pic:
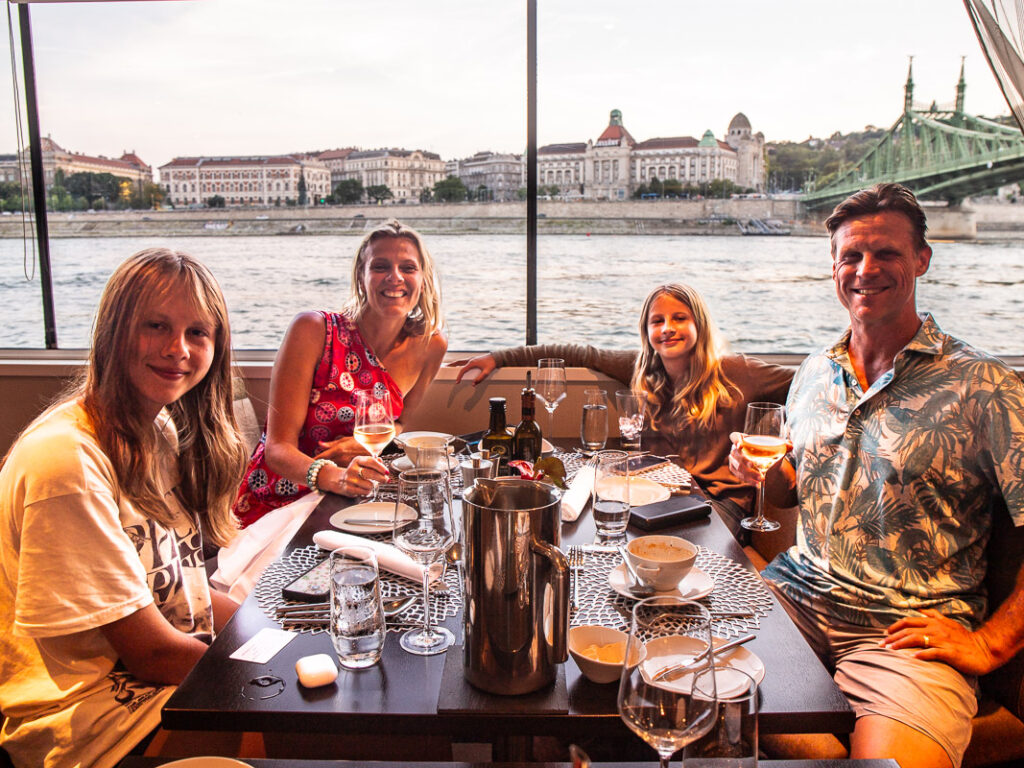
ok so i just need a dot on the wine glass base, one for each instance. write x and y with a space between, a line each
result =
419 642
763 524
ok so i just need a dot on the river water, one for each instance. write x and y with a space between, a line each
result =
768 294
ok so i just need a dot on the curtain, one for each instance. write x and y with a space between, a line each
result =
999 25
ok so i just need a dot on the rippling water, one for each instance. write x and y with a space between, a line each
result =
767 294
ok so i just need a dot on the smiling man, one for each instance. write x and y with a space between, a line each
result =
904 440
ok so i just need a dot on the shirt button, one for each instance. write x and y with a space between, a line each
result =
856 412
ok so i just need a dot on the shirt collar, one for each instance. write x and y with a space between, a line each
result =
927 340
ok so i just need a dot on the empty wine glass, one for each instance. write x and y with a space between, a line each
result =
669 698
632 410
551 386
374 424
425 539
763 444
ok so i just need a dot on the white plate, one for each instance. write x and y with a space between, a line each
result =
679 649
400 439
404 464
641 490
695 585
371 510
206 762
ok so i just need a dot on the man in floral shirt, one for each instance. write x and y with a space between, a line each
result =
903 440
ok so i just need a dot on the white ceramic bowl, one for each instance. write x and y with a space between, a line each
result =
662 561
597 671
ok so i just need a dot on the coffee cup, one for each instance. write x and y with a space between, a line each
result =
661 561
427 451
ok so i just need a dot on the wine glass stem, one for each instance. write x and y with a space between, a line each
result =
427 626
663 761
760 500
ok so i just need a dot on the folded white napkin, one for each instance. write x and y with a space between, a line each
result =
389 558
242 562
574 500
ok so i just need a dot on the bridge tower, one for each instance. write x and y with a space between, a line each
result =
908 90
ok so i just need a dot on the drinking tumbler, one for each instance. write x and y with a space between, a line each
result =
357 614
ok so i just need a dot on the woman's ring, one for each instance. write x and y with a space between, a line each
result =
926 641
359 471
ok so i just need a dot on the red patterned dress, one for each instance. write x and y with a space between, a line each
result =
346 365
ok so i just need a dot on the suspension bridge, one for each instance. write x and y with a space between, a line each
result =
941 154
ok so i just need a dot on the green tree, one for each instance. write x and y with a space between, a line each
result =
426 195
215 201
656 187
450 190
673 188
379 192
348 191
95 187
303 197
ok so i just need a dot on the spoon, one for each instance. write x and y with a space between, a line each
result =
638 588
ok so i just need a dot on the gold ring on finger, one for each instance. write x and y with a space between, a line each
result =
359 471
926 641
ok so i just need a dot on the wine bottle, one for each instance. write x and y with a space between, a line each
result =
527 439
497 439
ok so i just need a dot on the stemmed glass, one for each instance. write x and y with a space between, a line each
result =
632 410
669 698
425 540
375 424
551 386
763 444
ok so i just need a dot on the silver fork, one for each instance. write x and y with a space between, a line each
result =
576 556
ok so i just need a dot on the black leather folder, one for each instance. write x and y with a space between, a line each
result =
675 510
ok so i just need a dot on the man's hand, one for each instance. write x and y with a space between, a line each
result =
484 364
942 639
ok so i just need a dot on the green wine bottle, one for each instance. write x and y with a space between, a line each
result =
527 439
496 439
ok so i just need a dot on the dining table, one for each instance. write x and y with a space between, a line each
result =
410 694
156 762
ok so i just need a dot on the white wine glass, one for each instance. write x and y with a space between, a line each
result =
374 424
632 410
668 699
551 386
763 444
425 540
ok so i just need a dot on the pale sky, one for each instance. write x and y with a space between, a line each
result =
233 77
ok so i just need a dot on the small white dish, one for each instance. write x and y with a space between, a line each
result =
695 585
592 669
641 490
400 439
206 762
383 511
404 464
679 649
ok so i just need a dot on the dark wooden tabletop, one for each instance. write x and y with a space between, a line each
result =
400 694
154 762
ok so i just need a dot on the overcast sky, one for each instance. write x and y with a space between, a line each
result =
220 77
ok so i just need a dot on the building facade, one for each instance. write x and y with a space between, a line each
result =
615 165
258 180
55 158
334 159
490 175
405 172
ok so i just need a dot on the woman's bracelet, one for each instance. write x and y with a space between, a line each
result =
313 473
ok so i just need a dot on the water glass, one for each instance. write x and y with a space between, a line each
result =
631 418
611 495
357 614
732 741
594 425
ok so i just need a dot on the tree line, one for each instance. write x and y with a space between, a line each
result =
84 191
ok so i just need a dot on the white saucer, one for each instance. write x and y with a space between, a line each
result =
371 510
206 762
641 490
695 585
404 464
679 649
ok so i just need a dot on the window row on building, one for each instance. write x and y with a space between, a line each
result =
255 180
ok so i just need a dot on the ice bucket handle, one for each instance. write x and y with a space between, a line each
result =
558 639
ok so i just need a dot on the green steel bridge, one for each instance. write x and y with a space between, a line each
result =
941 154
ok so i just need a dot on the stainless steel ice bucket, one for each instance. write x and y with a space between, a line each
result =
516 586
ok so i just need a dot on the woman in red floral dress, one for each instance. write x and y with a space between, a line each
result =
388 337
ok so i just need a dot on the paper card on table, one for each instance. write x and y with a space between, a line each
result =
264 645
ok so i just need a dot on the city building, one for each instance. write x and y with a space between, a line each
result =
406 172
257 180
490 175
334 159
615 165
56 158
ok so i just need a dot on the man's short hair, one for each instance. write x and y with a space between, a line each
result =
879 199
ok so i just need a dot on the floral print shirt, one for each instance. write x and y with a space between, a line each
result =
896 484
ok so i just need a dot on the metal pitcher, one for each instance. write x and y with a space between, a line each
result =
516 585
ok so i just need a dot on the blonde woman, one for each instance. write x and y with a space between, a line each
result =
104 501
387 337
696 395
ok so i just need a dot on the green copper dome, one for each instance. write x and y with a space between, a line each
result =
708 139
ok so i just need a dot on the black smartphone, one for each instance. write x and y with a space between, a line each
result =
674 511
644 463
314 586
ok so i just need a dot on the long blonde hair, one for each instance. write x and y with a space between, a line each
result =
211 453
696 401
426 318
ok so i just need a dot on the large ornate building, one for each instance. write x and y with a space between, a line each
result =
615 165
490 175
56 158
406 172
259 180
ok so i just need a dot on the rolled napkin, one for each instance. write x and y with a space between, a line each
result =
574 500
389 558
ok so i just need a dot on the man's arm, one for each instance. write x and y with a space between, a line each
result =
974 653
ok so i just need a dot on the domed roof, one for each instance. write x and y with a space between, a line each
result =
739 123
